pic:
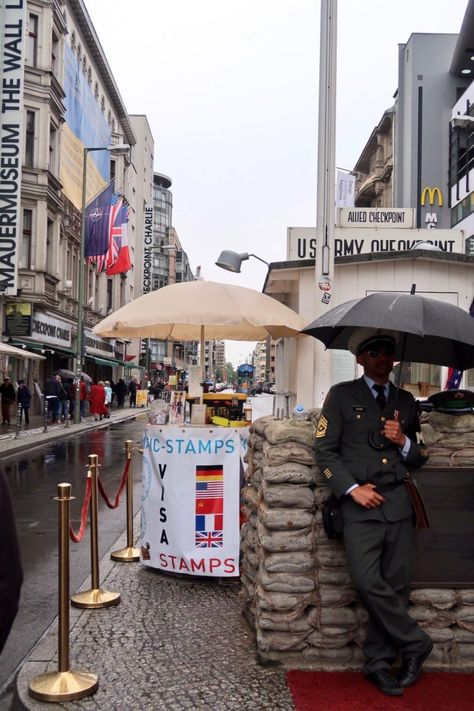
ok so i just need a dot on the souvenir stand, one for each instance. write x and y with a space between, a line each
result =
192 472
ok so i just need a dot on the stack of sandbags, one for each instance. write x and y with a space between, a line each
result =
449 439
296 590
448 617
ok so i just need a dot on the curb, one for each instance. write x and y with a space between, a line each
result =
29 440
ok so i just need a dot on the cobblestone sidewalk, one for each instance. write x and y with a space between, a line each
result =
172 644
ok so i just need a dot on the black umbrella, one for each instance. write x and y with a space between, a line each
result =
428 331
64 373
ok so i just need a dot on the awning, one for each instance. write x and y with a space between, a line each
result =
113 363
104 361
45 347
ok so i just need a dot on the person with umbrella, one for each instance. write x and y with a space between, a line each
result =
366 440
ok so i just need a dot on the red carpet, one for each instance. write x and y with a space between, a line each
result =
348 691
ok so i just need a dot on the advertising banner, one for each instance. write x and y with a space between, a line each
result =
85 126
190 500
12 45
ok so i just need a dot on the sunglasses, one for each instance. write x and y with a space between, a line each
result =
377 352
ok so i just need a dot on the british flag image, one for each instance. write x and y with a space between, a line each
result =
209 506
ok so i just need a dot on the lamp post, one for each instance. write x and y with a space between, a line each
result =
118 149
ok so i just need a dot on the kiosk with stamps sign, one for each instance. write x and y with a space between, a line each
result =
190 501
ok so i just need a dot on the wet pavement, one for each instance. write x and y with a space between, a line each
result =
173 642
33 477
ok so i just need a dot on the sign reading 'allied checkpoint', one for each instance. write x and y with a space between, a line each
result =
190 500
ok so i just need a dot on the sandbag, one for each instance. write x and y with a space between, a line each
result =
438 598
294 562
282 431
276 454
283 495
289 473
295 540
280 623
284 519
269 640
286 583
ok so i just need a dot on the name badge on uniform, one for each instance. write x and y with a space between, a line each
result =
359 408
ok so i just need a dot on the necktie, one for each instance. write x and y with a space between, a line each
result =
381 399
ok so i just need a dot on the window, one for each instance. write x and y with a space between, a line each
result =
102 103
112 169
30 139
53 139
26 238
54 53
109 294
73 39
89 76
96 90
50 247
32 40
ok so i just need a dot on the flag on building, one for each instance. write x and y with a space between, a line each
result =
454 377
96 229
115 231
209 511
119 255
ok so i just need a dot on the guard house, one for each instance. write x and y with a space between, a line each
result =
381 253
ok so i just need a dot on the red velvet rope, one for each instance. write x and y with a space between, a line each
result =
119 492
77 537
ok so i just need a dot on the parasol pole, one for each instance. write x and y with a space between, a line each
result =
203 363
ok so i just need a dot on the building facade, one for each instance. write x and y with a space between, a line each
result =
165 263
69 100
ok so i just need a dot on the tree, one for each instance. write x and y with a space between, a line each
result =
230 372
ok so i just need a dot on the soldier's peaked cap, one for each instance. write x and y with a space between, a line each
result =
364 338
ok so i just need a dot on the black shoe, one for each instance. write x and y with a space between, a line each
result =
385 682
410 669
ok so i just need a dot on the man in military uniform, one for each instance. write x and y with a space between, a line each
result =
366 442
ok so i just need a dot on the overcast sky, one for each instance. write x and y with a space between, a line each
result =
230 89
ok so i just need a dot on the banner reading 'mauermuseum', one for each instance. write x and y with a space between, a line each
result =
12 44
190 506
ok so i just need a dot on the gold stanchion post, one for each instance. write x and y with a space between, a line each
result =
95 597
129 554
65 684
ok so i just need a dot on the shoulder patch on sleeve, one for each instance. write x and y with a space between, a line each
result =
322 427
327 473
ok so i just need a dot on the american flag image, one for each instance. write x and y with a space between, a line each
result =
209 508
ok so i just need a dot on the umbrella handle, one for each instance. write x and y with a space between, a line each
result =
402 358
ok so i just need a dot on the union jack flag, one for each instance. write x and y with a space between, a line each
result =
115 231
209 539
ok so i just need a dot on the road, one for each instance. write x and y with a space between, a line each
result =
33 477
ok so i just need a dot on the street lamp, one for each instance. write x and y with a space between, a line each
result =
232 261
117 149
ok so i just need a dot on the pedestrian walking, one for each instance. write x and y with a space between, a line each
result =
7 391
97 401
11 573
82 396
121 391
51 393
365 450
63 399
24 399
132 392
108 396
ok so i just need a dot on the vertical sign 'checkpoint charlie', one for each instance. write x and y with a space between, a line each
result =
12 78
190 500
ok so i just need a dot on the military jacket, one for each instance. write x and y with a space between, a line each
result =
343 452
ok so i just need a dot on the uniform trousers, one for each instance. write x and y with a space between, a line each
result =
378 554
